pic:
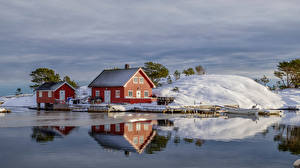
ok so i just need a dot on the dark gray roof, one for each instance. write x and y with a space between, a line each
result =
117 142
50 86
114 77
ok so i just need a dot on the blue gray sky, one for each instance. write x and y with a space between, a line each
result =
81 37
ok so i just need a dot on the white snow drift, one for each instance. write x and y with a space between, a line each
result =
220 90
22 101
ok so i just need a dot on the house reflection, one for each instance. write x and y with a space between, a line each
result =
43 134
129 137
288 138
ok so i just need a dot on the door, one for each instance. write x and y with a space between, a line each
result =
138 94
107 96
62 95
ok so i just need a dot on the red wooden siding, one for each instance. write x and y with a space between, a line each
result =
124 97
69 92
130 133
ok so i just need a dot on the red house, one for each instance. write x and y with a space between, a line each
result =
129 137
51 93
129 85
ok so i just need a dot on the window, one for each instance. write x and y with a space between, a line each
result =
117 127
136 140
117 93
49 94
97 127
97 93
40 93
129 126
141 80
130 93
141 139
135 80
138 126
107 127
146 126
146 93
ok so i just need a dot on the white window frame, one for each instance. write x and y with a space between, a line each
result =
138 126
118 93
141 139
146 126
117 127
146 91
135 80
136 140
131 93
141 80
49 93
97 93
129 127
40 93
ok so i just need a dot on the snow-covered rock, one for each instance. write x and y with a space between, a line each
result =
291 97
22 101
220 90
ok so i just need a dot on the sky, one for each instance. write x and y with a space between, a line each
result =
80 38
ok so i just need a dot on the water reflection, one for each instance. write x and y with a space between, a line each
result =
129 137
151 136
288 138
44 134
221 129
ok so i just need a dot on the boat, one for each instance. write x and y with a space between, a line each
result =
3 110
270 112
252 111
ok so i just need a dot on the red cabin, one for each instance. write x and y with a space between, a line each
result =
129 85
51 93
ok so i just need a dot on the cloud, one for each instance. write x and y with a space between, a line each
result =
80 38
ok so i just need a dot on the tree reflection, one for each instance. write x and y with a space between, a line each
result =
158 143
288 138
41 136
44 134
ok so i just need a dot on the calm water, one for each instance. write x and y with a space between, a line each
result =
147 140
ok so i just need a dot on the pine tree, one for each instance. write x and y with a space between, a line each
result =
18 91
177 75
169 80
71 82
189 71
289 73
42 75
155 71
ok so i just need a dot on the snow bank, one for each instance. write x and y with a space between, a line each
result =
220 90
222 129
24 101
83 92
291 97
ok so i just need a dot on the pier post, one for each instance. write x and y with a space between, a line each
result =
39 106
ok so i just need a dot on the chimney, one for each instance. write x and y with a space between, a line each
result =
127 66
